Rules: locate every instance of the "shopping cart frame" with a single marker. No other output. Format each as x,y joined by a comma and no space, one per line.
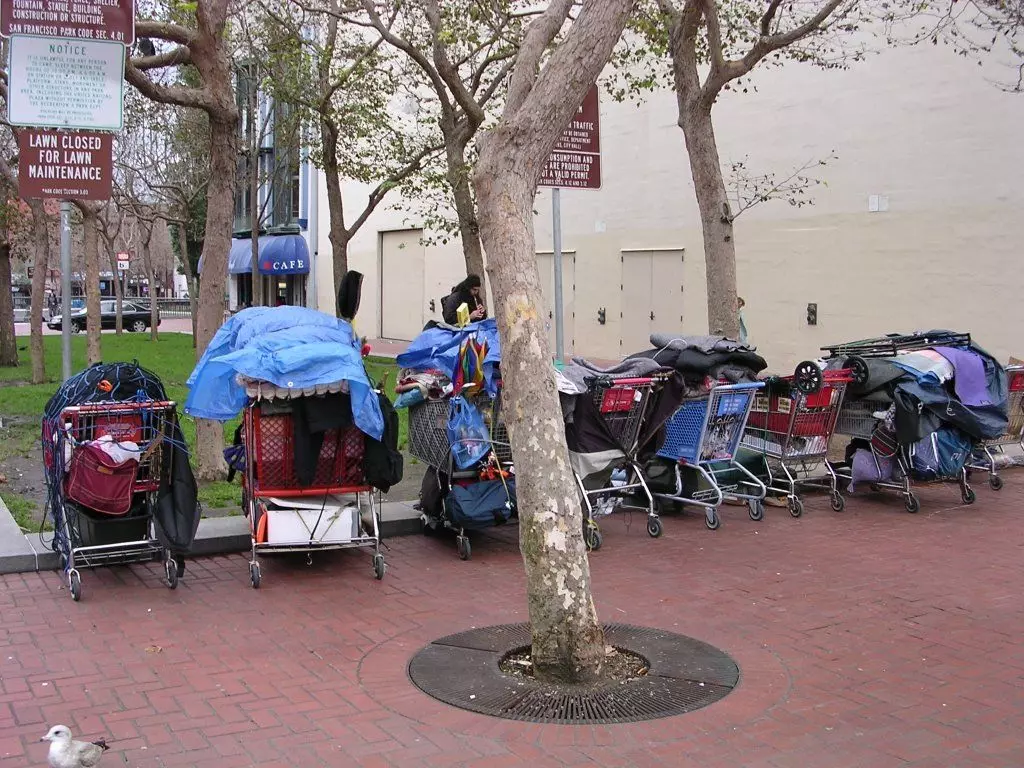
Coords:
692,448
624,424
342,480
429,442
793,433
1014,434
78,424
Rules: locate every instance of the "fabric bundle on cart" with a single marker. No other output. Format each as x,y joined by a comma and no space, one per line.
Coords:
438,348
289,347
700,356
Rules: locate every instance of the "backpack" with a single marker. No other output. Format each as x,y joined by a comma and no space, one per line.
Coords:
481,505
942,454
383,464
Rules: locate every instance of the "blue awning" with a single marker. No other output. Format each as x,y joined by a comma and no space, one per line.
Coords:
278,255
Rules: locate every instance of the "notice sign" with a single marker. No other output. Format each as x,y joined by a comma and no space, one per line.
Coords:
65,166
123,261
58,82
79,19
575,162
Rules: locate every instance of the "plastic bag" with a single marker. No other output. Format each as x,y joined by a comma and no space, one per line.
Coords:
467,433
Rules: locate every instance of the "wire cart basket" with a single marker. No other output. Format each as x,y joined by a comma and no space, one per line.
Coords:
702,436
621,405
987,458
429,442
84,538
286,516
792,430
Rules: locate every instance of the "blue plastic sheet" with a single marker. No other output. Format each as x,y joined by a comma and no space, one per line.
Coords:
438,349
290,347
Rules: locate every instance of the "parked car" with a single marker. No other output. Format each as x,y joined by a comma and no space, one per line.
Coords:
134,317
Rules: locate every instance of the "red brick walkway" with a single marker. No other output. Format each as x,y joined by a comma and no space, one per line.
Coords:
870,638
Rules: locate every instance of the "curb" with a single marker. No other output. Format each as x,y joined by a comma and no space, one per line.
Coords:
24,553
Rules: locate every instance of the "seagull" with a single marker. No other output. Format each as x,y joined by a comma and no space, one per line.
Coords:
65,752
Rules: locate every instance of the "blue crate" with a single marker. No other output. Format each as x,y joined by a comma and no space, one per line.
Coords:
683,431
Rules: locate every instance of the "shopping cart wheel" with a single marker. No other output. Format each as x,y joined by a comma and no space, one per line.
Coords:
913,504
378,566
808,377
75,583
796,506
967,495
171,573
712,520
838,502
592,536
254,574
996,482
654,529
756,510
462,545
858,369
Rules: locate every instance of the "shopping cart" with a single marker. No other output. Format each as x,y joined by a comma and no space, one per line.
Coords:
990,453
859,418
702,437
792,430
429,442
102,511
286,516
619,408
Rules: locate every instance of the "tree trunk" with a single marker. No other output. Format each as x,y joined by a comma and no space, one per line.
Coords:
715,218
118,291
8,342
147,258
568,642
216,245
459,173
335,204
254,201
41,266
91,238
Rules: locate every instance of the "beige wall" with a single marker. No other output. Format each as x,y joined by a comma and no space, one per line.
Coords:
921,127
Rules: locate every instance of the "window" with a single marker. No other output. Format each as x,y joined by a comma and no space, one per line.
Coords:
245,290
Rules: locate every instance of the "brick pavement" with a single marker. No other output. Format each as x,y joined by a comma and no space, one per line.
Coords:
869,638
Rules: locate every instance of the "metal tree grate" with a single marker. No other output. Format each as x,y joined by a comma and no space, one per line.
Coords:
685,675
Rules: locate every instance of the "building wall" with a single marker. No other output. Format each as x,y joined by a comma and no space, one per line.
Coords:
924,131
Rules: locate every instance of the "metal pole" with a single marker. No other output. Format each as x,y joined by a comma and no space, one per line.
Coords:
556,226
65,287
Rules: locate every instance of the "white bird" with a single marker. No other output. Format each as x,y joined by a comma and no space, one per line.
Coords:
65,752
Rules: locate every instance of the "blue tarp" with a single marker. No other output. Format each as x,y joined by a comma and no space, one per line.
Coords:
279,255
438,348
288,346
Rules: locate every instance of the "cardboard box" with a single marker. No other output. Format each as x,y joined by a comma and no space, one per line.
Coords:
320,520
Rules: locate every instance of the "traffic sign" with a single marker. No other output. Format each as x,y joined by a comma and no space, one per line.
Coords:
79,19
123,261
58,82
65,166
575,162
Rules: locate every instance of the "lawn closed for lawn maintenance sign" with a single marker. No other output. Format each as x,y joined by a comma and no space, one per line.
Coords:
64,166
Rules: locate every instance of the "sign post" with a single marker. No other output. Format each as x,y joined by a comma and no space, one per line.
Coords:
575,163
66,71
65,287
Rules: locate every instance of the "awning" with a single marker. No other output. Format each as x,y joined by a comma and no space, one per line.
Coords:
278,255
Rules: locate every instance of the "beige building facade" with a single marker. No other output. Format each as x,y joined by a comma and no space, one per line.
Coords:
920,222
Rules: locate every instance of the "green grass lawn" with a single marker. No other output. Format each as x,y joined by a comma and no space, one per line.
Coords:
172,358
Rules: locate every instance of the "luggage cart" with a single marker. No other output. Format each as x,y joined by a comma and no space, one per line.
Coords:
428,442
621,405
86,539
702,436
987,459
792,430
285,516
